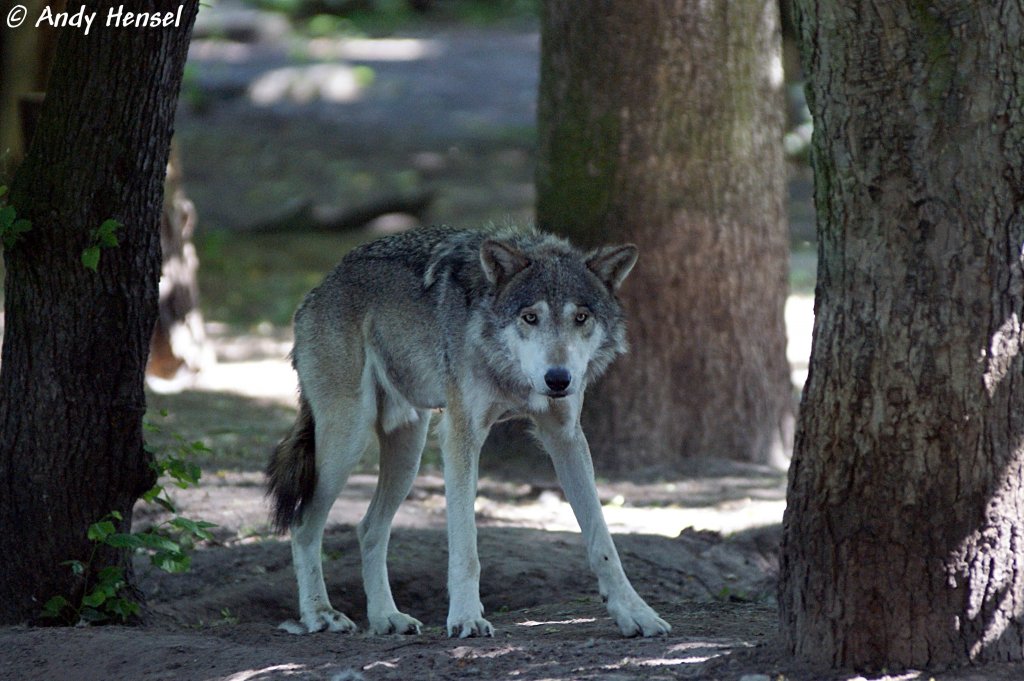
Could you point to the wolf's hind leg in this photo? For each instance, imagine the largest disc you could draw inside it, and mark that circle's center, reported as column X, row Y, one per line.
column 340, row 441
column 565, row 443
column 400, row 452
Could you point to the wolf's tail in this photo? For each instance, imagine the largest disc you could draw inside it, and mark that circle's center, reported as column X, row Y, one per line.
column 291, row 473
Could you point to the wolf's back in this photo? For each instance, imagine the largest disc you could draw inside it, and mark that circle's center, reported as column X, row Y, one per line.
column 291, row 472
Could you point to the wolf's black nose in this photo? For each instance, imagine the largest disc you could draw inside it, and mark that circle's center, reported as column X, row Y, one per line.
column 558, row 379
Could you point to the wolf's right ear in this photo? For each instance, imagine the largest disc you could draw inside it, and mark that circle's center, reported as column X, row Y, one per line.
column 611, row 264
column 501, row 261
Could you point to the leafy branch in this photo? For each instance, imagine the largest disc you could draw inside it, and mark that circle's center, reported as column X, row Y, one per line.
column 104, row 236
column 12, row 228
column 168, row 544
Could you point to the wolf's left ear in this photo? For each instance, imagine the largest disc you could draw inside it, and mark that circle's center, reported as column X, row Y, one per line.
column 501, row 261
column 611, row 264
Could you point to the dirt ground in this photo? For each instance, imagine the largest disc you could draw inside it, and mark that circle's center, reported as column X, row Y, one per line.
column 702, row 549
column 218, row 621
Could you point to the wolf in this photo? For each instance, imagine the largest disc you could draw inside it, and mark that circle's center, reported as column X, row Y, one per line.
column 485, row 326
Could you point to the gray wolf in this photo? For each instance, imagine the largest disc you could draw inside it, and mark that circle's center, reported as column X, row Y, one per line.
column 484, row 326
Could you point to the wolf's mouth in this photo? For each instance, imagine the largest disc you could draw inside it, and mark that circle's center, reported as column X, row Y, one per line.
column 558, row 394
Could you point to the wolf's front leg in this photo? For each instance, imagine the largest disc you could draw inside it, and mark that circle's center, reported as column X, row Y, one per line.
column 460, row 448
column 560, row 433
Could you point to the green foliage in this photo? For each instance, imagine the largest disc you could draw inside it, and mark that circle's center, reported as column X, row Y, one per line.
column 104, row 236
column 103, row 597
column 167, row 544
column 12, row 228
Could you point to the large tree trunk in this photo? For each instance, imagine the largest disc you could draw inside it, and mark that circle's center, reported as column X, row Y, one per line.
column 74, row 353
column 904, row 535
column 660, row 123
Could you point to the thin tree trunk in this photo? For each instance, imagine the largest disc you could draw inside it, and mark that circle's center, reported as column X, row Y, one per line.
column 179, row 349
column 660, row 123
column 75, row 346
column 904, row 536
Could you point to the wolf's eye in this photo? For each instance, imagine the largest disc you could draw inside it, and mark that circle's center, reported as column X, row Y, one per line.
column 582, row 317
column 530, row 318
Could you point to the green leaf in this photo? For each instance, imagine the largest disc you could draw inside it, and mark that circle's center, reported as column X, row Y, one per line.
column 200, row 447
column 121, row 540
column 155, row 542
column 106, row 235
column 152, row 493
column 175, row 563
column 123, row 608
column 20, row 227
column 7, row 216
column 111, row 576
column 3, row 189
column 116, row 515
column 198, row 528
column 101, row 530
column 94, row 600
column 91, row 258
column 55, row 606
column 166, row 504
column 184, row 473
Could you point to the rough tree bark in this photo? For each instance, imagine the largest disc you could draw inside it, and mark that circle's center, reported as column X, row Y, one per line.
column 74, row 353
column 904, row 536
column 660, row 123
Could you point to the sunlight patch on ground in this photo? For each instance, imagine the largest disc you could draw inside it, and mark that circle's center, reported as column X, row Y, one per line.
column 250, row 674
column 472, row 652
column 626, row 662
column 374, row 49
column 726, row 518
column 263, row 379
column 535, row 623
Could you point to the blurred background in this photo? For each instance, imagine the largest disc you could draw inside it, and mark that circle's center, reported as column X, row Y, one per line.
column 306, row 127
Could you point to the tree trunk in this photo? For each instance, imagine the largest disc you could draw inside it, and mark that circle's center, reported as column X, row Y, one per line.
column 660, row 123
column 903, row 542
column 179, row 349
column 74, row 353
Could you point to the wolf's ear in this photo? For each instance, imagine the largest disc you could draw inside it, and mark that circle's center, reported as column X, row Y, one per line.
column 611, row 264
column 501, row 261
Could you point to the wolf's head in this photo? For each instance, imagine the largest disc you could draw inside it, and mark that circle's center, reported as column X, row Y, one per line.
column 555, row 313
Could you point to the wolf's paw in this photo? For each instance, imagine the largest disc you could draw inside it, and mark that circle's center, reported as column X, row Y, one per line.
column 636, row 618
column 324, row 619
column 395, row 623
column 470, row 626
